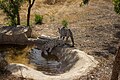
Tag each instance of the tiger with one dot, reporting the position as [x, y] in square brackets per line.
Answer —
[66, 33]
[48, 46]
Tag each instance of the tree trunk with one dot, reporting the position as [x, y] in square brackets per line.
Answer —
[29, 9]
[18, 18]
[116, 66]
[28, 16]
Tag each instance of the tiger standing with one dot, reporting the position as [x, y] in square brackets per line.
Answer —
[66, 33]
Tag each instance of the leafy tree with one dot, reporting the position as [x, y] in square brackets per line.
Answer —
[8, 9]
[116, 6]
[17, 5]
[11, 8]
[31, 2]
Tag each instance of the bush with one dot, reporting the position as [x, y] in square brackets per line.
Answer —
[85, 1]
[116, 6]
[64, 23]
[38, 19]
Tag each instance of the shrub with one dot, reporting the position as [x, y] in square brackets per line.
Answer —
[64, 23]
[116, 6]
[38, 19]
[85, 1]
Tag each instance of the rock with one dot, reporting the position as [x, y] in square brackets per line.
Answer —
[85, 64]
[29, 32]
[3, 63]
[14, 35]
[112, 50]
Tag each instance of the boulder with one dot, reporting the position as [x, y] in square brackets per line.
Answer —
[3, 63]
[14, 34]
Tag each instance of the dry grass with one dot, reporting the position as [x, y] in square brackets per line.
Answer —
[48, 11]
[69, 10]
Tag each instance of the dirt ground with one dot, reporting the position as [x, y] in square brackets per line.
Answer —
[96, 29]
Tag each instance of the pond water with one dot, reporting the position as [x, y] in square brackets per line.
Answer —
[16, 53]
[58, 62]
[48, 64]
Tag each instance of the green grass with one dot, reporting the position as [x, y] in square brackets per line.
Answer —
[38, 19]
